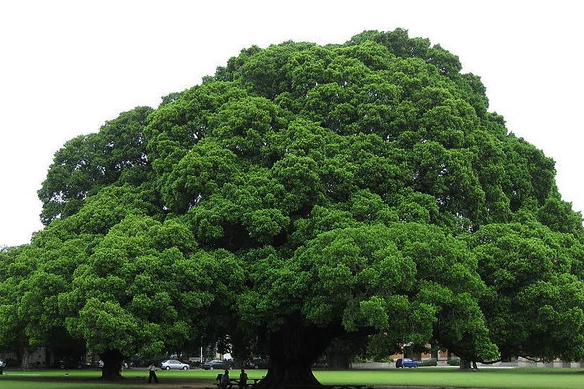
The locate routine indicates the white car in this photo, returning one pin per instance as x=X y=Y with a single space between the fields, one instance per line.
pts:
x=173 y=364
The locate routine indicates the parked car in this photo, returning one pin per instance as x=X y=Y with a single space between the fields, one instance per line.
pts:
x=174 y=364
x=216 y=364
x=258 y=363
x=72 y=363
x=406 y=362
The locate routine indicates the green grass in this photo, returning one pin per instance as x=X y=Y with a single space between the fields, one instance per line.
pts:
x=439 y=377
x=90 y=379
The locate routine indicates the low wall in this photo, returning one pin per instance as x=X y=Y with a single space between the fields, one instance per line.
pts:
x=372 y=366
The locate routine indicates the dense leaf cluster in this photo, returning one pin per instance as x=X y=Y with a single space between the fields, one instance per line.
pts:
x=360 y=190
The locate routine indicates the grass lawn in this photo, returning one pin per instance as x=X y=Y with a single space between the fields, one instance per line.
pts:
x=90 y=379
x=439 y=377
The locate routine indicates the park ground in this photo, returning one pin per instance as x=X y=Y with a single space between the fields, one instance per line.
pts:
x=520 y=378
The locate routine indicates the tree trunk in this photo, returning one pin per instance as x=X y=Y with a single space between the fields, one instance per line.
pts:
x=337 y=357
x=293 y=350
x=25 y=360
x=465 y=364
x=338 y=362
x=24 y=363
x=112 y=365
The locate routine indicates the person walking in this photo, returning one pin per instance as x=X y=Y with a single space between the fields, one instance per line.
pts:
x=152 y=373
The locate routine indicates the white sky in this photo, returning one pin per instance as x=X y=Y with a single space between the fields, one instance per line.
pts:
x=68 y=66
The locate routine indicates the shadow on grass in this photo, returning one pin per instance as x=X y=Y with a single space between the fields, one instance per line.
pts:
x=92 y=380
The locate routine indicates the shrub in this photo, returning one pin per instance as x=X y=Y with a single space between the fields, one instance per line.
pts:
x=429 y=362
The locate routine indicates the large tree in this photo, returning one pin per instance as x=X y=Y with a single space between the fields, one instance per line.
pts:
x=300 y=195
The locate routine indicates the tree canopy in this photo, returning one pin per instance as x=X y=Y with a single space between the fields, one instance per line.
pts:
x=303 y=194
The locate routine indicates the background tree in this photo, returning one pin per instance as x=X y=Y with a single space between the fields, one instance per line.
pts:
x=305 y=194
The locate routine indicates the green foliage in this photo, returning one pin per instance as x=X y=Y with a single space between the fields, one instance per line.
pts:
x=89 y=162
x=359 y=191
x=429 y=362
x=533 y=302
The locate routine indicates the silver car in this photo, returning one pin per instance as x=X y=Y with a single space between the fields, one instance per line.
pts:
x=173 y=364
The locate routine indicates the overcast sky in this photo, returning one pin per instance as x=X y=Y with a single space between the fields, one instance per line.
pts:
x=68 y=66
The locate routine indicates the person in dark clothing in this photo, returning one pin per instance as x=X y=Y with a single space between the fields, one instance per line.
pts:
x=242 y=379
x=152 y=373
x=225 y=379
